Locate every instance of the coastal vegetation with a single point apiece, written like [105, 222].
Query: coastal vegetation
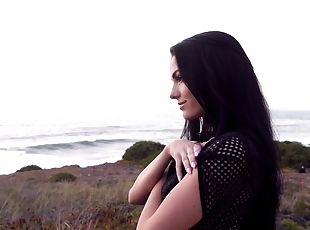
[29, 168]
[288, 224]
[143, 152]
[62, 177]
[97, 197]
[293, 154]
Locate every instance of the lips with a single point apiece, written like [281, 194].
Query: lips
[181, 104]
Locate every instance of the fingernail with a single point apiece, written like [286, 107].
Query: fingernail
[188, 170]
[193, 164]
[179, 178]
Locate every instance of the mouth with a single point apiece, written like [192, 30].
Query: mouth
[181, 104]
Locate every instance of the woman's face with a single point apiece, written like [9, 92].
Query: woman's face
[186, 100]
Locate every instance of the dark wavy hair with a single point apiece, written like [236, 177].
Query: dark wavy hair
[219, 74]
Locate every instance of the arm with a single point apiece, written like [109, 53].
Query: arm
[184, 153]
[181, 209]
[147, 179]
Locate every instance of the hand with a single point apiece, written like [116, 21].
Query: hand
[184, 152]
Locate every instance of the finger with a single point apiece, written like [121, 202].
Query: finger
[186, 164]
[191, 157]
[178, 168]
[197, 148]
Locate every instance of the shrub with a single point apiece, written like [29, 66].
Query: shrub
[293, 154]
[290, 225]
[29, 168]
[73, 166]
[302, 207]
[62, 177]
[143, 152]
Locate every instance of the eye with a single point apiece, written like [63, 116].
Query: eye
[179, 78]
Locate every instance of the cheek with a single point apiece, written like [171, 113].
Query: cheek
[195, 106]
[193, 109]
[185, 91]
[189, 96]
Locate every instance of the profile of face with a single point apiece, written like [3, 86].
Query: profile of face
[186, 100]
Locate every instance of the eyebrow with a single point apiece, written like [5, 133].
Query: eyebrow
[175, 73]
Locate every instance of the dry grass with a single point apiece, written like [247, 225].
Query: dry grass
[98, 199]
[295, 202]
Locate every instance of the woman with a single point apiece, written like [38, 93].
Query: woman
[223, 172]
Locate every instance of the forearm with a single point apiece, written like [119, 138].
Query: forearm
[152, 203]
[147, 179]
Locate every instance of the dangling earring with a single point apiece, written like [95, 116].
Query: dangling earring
[200, 127]
[201, 124]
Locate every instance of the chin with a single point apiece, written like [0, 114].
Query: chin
[191, 116]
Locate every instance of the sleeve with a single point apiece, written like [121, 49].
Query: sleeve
[223, 180]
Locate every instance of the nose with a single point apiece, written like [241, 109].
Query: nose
[175, 93]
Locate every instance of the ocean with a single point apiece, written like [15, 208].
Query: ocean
[85, 144]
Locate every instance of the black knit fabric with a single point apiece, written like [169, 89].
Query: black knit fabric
[225, 184]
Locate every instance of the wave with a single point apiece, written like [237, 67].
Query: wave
[291, 114]
[89, 132]
[286, 125]
[158, 130]
[75, 145]
[70, 134]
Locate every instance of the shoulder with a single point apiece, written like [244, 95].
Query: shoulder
[225, 158]
[230, 145]
[224, 178]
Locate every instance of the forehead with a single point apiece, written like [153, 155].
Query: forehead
[173, 65]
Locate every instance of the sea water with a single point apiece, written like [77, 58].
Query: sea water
[56, 145]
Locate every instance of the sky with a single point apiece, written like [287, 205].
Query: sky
[108, 61]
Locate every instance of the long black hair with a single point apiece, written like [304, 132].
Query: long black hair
[219, 74]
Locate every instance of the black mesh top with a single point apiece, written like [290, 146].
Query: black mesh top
[226, 186]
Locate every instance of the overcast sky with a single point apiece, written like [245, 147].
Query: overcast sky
[109, 60]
